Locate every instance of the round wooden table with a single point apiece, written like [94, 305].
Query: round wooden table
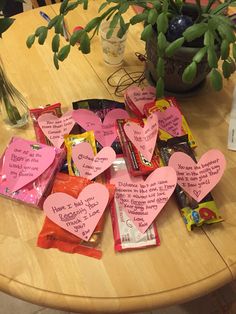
[185, 266]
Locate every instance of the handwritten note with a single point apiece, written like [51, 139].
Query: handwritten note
[88, 165]
[24, 162]
[170, 120]
[198, 179]
[55, 128]
[78, 216]
[143, 200]
[140, 97]
[144, 139]
[105, 132]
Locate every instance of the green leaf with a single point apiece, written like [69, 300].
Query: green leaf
[200, 54]
[161, 42]
[71, 6]
[162, 23]
[63, 6]
[226, 32]
[216, 79]
[147, 32]
[55, 61]
[30, 40]
[63, 53]
[224, 49]
[195, 31]
[39, 30]
[55, 43]
[102, 6]
[160, 88]
[124, 7]
[85, 6]
[58, 24]
[189, 73]
[75, 37]
[52, 22]
[114, 20]
[85, 43]
[92, 24]
[42, 36]
[212, 57]
[209, 38]
[226, 68]
[152, 16]
[5, 23]
[160, 67]
[174, 46]
[138, 18]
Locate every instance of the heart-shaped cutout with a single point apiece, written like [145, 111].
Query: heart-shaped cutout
[55, 128]
[105, 132]
[78, 216]
[141, 199]
[24, 162]
[170, 120]
[143, 138]
[135, 96]
[198, 179]
[91, 166]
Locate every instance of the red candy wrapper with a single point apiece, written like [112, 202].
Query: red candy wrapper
[126, 235]
[36, 113]
[136, 164]
[53, 236]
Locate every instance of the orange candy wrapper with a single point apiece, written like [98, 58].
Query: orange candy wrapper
[53, 236]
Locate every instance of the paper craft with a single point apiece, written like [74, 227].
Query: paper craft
[24, 162]
[105, 132]
[144, 139]
[170, 120]
[91, 166]
[137, 97]
[143, 200]
[78, 216]
[198, 179]
[55, 128]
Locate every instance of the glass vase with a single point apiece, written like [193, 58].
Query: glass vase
[14, 109]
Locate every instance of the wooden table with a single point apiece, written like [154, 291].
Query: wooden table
[185, 266]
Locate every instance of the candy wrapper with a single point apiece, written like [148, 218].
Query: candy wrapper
[136, 164]
[27, 170]
[193, 213]
[126, 235]
[163, 105]
[36, 113]
[100, 107]
[53, 236]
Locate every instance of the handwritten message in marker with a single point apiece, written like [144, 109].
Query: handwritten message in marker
[78, 216]
[143, 200]
[55, 128]
[198, 179]
[105, 132]
[24, 162]
[170, 121]
[143, 138]
[91, 166]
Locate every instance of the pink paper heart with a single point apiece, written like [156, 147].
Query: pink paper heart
[140, 97]
[88, 165]
[144, 139]
[198, 179]
[78, 216]
[144, 199]
[170, 121]
[55, 128]
[24, 162]
[105, 133]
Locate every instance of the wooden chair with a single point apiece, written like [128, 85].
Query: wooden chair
[36, 3]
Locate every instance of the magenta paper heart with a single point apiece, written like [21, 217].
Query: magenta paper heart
[89, 166]
[170, 121]
[140, 97]
[78, 216]
[144, 139]
[55, 128]
[24, 162]
[143, 200]
[105, 133]
[198, 179]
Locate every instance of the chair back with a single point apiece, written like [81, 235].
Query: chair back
[36, 3]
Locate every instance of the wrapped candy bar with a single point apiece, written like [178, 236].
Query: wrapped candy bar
[126, 235]
[27, 170]
[194, 213]
[53, 236]
[136, 164]
[36, 113]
